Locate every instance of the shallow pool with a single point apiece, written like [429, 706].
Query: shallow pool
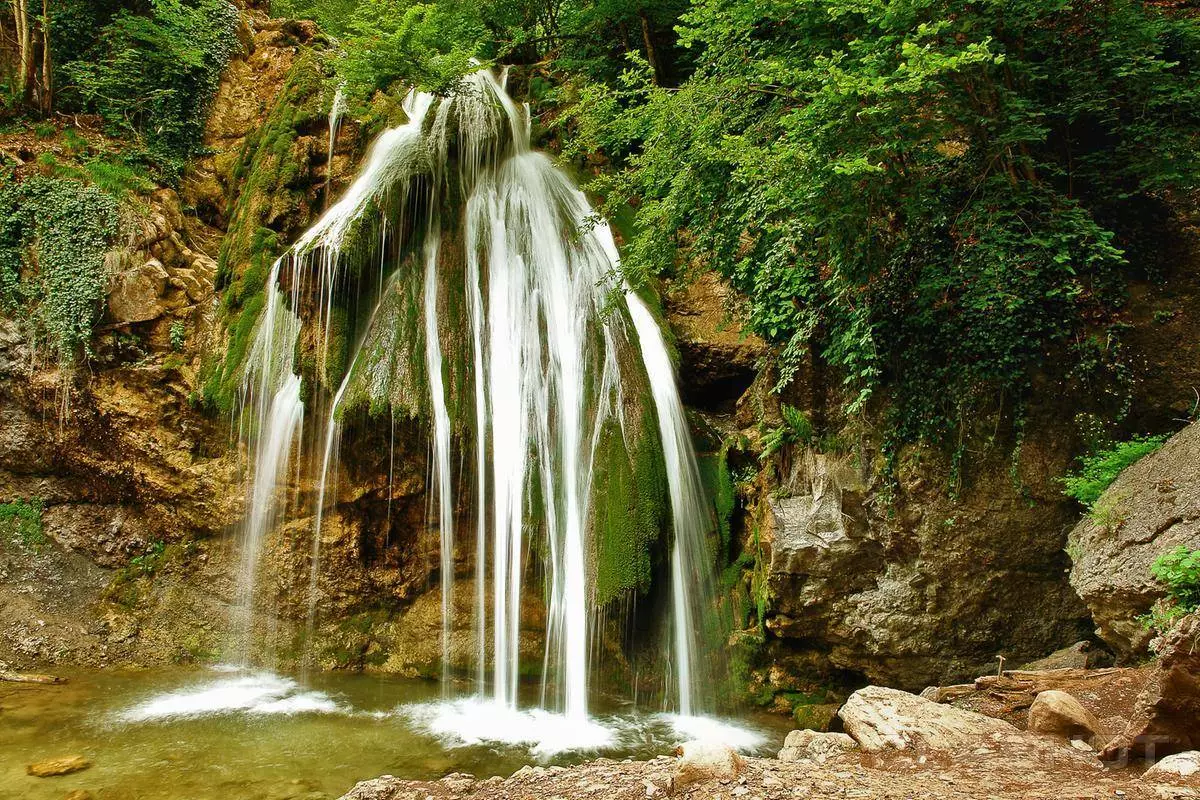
[226, 734]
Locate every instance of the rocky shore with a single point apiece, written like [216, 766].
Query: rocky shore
[1054, 733]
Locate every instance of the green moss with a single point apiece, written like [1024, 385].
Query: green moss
[630, 507]
[264, 213]
[21, 522]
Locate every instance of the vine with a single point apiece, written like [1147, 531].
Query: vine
[53, 237]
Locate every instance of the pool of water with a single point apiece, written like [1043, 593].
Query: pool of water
[225, 734]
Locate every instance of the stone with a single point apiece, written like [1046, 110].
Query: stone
[1057, 713]
[888, 719]
[704, 761]
[1156, 503]
[58, 766]
[79, 794]
[1175, 767]
[809, 745]
[136, 295]
[1166, 717]
[1080, 655]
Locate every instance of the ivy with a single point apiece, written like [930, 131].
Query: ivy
[53, 237]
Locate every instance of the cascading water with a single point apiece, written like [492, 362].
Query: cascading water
[273, 424]
[500, 326]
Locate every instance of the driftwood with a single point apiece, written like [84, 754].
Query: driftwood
[29, 677]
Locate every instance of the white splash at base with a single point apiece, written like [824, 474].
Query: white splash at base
[717, 731]
[258, 693]
[474, 721]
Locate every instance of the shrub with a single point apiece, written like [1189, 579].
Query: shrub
[178, 335]
[1179, 571]
[1098, 471]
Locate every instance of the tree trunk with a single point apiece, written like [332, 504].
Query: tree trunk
[651, 56]
[24, 84]
[47, 84]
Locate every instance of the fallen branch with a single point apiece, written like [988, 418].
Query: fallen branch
[29, 677]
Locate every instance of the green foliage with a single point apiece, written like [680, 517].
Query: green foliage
[1098, 470]
[1179, 571]
[152, 73]
[178, 336]
[933, 197]
[796, 429]
[21, 522]
[53, 236]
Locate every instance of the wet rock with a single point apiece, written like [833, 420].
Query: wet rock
[882, 719]
[1177, 767]
[1156, 507]
[52, 767]
[1057, 713]
[808, 745]
[1166, 718]
[705, 761]
[136, 295]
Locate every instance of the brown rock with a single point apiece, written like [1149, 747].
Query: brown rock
[1080, 655]
[136, 294]
[1166, 718]
[808, 745]
[884, 719]
[58, 766]
[1057, 713]
[704, 761]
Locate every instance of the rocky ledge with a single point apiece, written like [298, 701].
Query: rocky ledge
[895, 745]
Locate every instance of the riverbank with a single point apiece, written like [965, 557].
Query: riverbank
[857, 775]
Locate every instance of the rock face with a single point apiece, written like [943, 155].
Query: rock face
[1166, 718]
[1057, 713]
[720, 358]
[808, 745]
[918, 590]
[1156, 505]
[887, 719]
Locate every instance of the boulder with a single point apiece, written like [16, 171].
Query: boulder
[1166, 718]
[1057, 713]
[52, 767]
[136, 295]
[1080, 655]
[1175, 768]
[703, 761]
[1156, 507]
[882, 719]
[809, 745]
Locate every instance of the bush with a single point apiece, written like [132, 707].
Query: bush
[1098, 471]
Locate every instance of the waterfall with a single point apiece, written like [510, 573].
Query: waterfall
[498, 324]
[273, 424]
